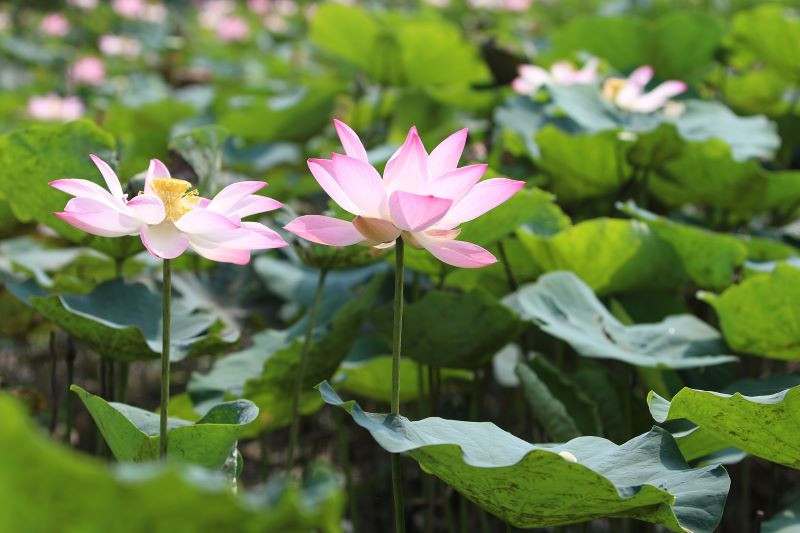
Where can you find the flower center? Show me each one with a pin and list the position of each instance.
(176, 194)
(612, 87)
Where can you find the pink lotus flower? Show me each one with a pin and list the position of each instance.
(506, 5)
(87, 70)
(169, 217)
(54, 25)
(233, 28)
(532, 78)
(140, 10)
(422, 198)
(53, 108)
(628, 94)
(117, 45)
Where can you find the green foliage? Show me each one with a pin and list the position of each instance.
(765, 425)
(33, 157)
(265, 372)
(143, 132)
(85, 494)
(122, 321)
(760, 316)
(531, 485)
(563, 306)
(439, 329)
(132, 434)
(611, 255)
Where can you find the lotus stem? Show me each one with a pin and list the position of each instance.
(70, 356)
(53, 383)
(165, 323)
(298, 384)
(397, 333)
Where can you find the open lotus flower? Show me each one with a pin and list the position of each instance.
(422, 198)
(628, 94)
(169, 217)
(531, 77)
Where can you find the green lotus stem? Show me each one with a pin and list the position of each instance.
(122, 387)
(166, 298)
(70, 364)
(397, 333)
(298, 384)
(344, 459)
(53, 383)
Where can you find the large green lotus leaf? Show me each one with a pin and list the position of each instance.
(530, 485)
(434, 52)
(678, 44)
(47, 264)
(760, 316)
(71, 490)
(768, 31)
(368, 378)
(699, 121)
(122, 321)
(611, 255)
(786, 521)
(132, 434)
(622, 41)
(565, 307)
(143, 132)
(707, 173)
(710, 259)
(756, 91)
(703, 444)
(263, 116)
(748, 137)
(345, 31)
(265, 373)
(765, 426)
(452, 330)
(600, 171)
(33, 157)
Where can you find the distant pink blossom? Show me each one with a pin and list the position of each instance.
(629, 94)
(118, 45)
(83, 4)
(259, 7)
(504, 5)
(53, 108)
(532, 77)
(87, 70)
(233, 28)
(421, 198)
(54, 25)
(5, 20)
(169, 217)
(212, 12)
(154, 12)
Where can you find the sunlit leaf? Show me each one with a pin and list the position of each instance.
(530, 485)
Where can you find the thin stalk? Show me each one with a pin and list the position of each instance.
(263, 442)
(397, 333)
(344, 459)
(298, 384)
(70, 364)
(122, 386)
(53, 383)
(166, 298)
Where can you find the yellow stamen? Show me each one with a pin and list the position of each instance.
(612, 87)
(178, 199)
